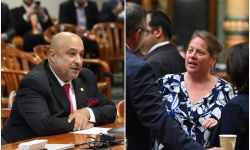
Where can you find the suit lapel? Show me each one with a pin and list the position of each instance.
(58, 90)
(80, 93)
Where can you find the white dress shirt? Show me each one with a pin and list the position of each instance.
(81, 15)
(73, 98)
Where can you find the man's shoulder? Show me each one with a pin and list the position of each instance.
(4, 6)
(87, 76)
(38, 72)
(17, 10)
(92, 3)
(168, 48)
(67, 4)
(133, 61)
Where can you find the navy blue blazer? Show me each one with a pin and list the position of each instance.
(41, 106)
(234, 120)
(145, 115)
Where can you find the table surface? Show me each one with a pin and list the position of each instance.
(69, 138)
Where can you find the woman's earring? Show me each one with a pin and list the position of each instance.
(212, 69)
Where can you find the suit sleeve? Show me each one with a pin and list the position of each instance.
(33, 105)
(153, 115)
(62, 15)
(105, 112)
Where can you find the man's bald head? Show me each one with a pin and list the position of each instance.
(62, 39)
(65, 55)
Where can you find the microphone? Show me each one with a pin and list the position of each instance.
(111, 75)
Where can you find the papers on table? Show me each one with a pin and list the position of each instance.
(59, 146)
(94, 130)
(42, 144)
(32, 145)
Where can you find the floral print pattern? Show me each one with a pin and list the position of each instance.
(190, 117)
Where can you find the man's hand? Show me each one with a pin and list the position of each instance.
(209, 123)
(81, 117)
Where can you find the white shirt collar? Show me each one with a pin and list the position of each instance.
(85, 4)
(158, 45)
(59, 80)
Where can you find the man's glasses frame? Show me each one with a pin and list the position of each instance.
(147, 32)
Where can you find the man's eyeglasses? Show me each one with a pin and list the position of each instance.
(147, 32)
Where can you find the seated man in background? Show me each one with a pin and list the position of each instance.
(30, 21)
(58, 96)
(7, 23)
(83, 13)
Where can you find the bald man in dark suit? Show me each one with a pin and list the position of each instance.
(58, 96)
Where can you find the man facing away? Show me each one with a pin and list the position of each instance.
(146, 117)
(58, 96)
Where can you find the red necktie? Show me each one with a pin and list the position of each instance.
(66, 89)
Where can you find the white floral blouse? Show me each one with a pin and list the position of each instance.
(178, 104)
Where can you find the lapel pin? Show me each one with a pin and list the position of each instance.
(81, 89)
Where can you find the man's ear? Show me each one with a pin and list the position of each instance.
(52, 55)
(137, 35)
(158, 32)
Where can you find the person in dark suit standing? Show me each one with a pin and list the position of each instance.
(7, 23)
(235, 115)
(146, 117)
(159, 51)
(30, 21)
(58, 96)
(83, 13)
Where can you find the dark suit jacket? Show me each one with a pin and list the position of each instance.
(234, 120)
(145, 113)
(165, 60)
(67, 13)
(41, 106)
(7, 21)
(22, 26)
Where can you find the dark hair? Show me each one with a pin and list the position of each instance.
(158, 18)
(238, 66)
(135, 17)
(214, 47)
